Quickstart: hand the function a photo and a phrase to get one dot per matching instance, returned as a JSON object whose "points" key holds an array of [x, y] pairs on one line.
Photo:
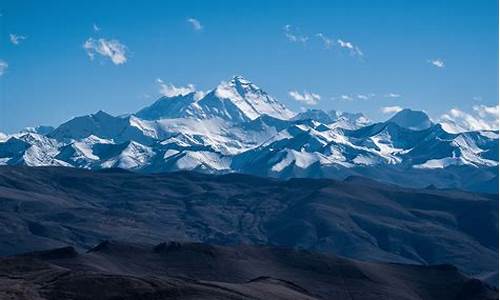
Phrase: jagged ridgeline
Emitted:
{"points": [[238, 127]]}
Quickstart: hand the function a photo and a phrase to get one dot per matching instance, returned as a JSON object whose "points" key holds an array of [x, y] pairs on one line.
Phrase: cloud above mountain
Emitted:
{"points": [[170, 90], [112, 49], [3, 67], [353, 97], [438, 63], [195, 23], [392, 95], [293, 35], [391, 109], [353, 49], [482, 118], [16, 39], [328, 42], [305, 97]]}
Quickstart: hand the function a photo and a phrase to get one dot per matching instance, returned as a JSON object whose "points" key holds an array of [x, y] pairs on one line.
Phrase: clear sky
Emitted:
{"points": [[61, 59]]}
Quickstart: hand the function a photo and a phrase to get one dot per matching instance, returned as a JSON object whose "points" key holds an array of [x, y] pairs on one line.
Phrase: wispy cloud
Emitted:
{"points": [[486, 111], [195, 23], [439, 63], [353, 49], [353, 97], [392, 95], [96, 28], [482, 118], [391, 109], [344, 97], [3, 66], [293, 36], [328, 42], [365, 96], [16, 39], [112, 49], [170, 90], [305, 97]]}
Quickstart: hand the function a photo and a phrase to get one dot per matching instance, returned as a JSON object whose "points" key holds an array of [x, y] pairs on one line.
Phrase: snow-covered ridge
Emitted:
{"points": [[238, 127], [236, 100]]}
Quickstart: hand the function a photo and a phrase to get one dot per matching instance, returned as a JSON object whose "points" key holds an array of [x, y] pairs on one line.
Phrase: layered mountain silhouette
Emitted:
{"points": [[238, 127], [181, 270], [50, 207]]}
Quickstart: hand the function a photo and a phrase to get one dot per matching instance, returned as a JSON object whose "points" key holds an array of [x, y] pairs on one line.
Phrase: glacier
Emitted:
{"points": [[238, 127]]}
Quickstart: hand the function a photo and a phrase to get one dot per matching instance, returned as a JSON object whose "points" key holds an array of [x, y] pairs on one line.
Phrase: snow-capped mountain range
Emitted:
{"points": [[238, 127]]}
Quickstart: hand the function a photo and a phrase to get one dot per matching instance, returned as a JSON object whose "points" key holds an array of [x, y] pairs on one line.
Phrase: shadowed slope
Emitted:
{"points": [[176, 270], [44, 208]]}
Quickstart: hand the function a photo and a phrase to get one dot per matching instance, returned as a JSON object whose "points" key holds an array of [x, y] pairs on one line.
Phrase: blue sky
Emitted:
{"points": [[432, 55]]}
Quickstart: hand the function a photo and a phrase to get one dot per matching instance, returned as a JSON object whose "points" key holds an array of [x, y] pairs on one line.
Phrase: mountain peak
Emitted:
{"points": [[242, 85], [240, 79], [412, 119], [317, 115], [249, 99], [236, 100], [101, 114]]}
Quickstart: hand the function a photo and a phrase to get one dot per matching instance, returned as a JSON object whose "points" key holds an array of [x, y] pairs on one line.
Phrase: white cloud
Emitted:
{"points": [[392, 95], [293, 36], [365, 96], [391, 109], [113, 49], [486, 111], [344, 97], [439, 63], [353, 49], [482, 118], [306, 97], [345, 44], [16, 39], [326, 41], [170, 90], [3, 67], [195, 23], [96, 28], [353, 97]]}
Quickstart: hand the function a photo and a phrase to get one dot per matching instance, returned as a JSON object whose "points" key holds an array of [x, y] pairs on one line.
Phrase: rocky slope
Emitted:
{"points": [[49, 207], [115, 270]]}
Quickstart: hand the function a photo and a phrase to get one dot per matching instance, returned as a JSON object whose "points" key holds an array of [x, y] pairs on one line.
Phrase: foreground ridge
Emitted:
{"points": [[359, 218], [183, 270]]}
